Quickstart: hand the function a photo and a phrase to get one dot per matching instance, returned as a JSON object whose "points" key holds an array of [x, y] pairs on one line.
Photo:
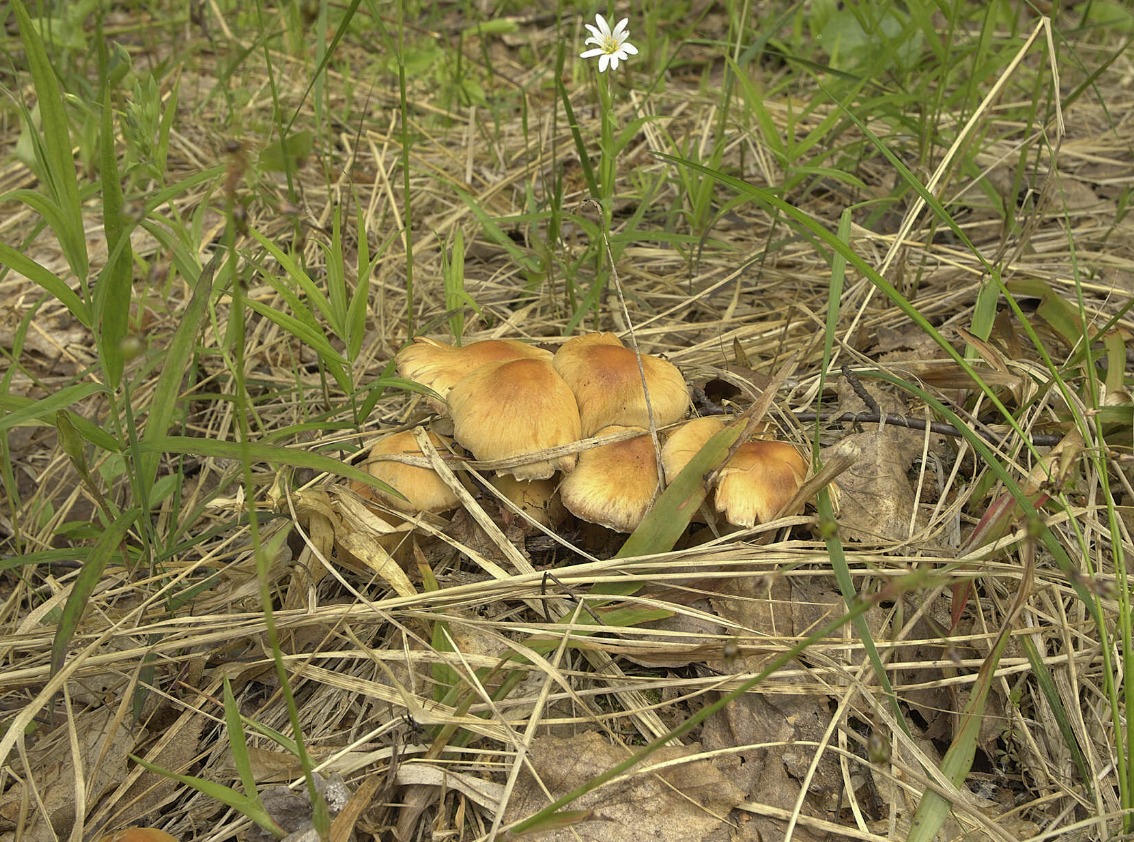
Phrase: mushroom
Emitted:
{"points": [[759, 481], [613, 484], [439, 366], [423, 489], [537, 498], [509, 409], [604, 376], [686, 442], [754, 485]]}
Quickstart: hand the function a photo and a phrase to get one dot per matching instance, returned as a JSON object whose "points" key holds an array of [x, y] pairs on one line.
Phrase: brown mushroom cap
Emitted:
{"points": [[686, 441], [509, 409], [759, 481], [604, 376], [439, 366], [613, 485], [423, 489]]}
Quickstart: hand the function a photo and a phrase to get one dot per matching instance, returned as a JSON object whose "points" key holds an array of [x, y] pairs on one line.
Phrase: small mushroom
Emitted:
{"points": [[686, 442], [604, 376], [423, 489], [439, 365], [613, 484], [759, 481], [514, 408], [754, 485]]}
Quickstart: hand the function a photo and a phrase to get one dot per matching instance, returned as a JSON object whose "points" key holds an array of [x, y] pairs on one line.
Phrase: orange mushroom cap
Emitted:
{"points": [[439, 365], [759, 481], [614, 484], [604, 376], [686, 441], [514, 408], [423, 489]]}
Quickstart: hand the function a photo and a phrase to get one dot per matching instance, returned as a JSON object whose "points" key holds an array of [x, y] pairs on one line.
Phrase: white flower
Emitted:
{"points": [[610, 47]]}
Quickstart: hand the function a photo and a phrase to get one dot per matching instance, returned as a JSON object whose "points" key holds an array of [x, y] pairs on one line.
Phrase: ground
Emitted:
{"points": [[892, 235]]}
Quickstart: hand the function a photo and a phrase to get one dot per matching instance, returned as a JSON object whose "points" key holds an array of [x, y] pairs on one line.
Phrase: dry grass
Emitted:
{"points": [[816, 746]]}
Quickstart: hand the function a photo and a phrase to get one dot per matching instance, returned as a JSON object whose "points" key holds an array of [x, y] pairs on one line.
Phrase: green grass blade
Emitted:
{"points": [[63, 183], [934, 807], [115, 286], [580, 144], [296, 273], [48, 280], [239, 745], [660, 529], [86, 582], [257, 452], [32, 410], [244, 805], [908, 581], [817, 233], [178, 358]]}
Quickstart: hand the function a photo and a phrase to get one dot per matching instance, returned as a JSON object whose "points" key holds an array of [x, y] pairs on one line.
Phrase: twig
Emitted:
{"points": [[939, 427], [863, 394]]}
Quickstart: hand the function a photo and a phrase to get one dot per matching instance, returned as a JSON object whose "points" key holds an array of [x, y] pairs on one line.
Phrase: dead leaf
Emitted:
{"points": [[769, 722], [103, 746], [291, 809], [679, 803], [875, 495]]}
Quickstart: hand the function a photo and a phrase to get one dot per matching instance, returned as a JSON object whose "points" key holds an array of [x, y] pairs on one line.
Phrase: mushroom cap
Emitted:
{"points": [[439, 365], [759, 481], [536, 497], [686, 441], [513, 408], [604, 376], [423, 489], [614, 484]]}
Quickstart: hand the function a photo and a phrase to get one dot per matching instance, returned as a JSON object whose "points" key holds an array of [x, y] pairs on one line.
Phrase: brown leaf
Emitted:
{"points": [[875, 497], [680, 803], [103, 746], [772, 776]]}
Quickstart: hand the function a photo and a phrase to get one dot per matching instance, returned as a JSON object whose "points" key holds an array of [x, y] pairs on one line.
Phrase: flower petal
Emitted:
{"points": [[628, 48], [614, 60], [596, 36], [620, 30], [603, 61], [592, 53], [603, 26]]}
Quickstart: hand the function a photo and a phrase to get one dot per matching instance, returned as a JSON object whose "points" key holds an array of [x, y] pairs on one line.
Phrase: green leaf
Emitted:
{"points": [[580, 145], [496, 26], [48, 280], [86, 582], [243, 804], [29, 410], [660, 529], [63, 183], [284, 155], [311, 336], [296, 273], [934, 807], [239, 745], [261, 453], [115, 286], [178, 357]]}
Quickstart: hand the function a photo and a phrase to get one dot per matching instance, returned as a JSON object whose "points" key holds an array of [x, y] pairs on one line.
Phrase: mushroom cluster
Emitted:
{"points": [[522, 407]]}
